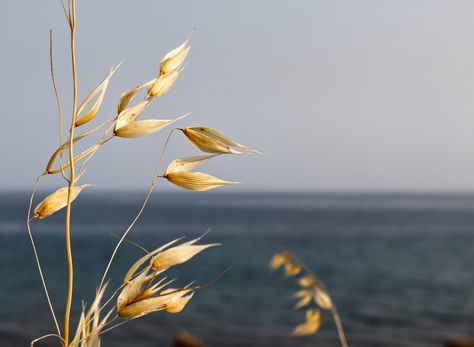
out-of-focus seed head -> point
(279, 259)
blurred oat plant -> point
(142, 291)
(312, 294)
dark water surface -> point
(399, 267)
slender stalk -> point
(38, 263)
(340, 330)
(44, 337)
(152, 186)
(70, 282)
(335, 314)
(58, 102)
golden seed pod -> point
(292, 269)
(178, 254)
(132, 290)
(211, 141)
(310, 326)
(134, 268)
(323, 299)
(178, 303)
(55, 201)
(187, 164)
(304, 299)
(130, 114)
(279, 259)
(175, 58)
(161, 302)
(98, 92)
(178, 173)
(144, 127)
(163, 83)
(128, 95)
(307, 281)
(77, 159)
(196, 181)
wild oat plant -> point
(312, 294)
(144, 289)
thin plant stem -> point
(44, 337)
(38, 263)
(58, 101)
(340, 330)
(67, 313)
(142, 208)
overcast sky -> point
(339, 95)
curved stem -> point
(109, 264)
(38, 263)
(44, 337)
(335, 314)
(70, 282)
(340, 330)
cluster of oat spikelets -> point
(142, 291)
(311, 292)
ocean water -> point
(400, 268)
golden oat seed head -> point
(144, 127)
(292, 269)
(130, 114)
(188, 163)
(98, 92)
(310, 326)
(163, 83)
(196, 181)
(175, 58)
(306, 281)
(177, 255)
(323, 299)
(211, 141)
(56, 201)
(128, 95)
(279, 259)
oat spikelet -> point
(178, 254)
(305, 298)
(307, 281)
(163, 83)
(128, 95)
(196, 181)
(172, 300)
(178, 173)
(323, 299)
(279, 259)
(98, 92)
(141, 296)
(310, 326)
(175, 58)
(130, 114)
(144, 127)
(211, 141)
(292, 269)
(166, 256)
(55, 201)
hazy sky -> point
(340, 95)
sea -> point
(399, 267)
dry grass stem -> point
(313, 291)
(142, 291)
